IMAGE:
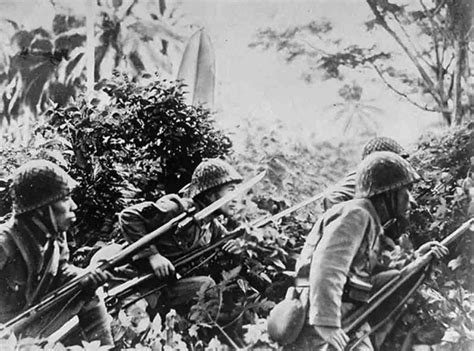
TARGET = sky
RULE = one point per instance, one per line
(257, 85)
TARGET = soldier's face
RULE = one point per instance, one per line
(404, 200)
(230, 207)
(64, 212)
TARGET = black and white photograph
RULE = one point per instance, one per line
(217, 175)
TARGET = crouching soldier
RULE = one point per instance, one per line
(342, 250)
(344, 190)
(211, 180)
(34, 255)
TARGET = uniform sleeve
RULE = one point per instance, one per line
(66, 269)
(5, 250)
(218, 230)
(3, 257)
(343, 191)
(330, 265)
(141, 219)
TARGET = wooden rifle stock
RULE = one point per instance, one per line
(360, 316)
(74, 287)
(78, 283)
(125, 288)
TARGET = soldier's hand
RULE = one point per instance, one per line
(439, 251)
(98, 277)
(333, 336)
(232, 246)
(94, 279)
(161, 266)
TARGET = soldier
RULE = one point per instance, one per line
(345, 189)
(342, 250)
(211, 180)
(34, 254)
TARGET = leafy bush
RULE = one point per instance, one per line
(135, 142)
(442, 310)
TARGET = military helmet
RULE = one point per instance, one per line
(383, 144)
(38, 183)
(209, 174)
(383, 171)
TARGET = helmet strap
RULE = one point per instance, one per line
(395, 225)
(52, 219)
(386, 205)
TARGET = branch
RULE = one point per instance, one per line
(439, 7)
(451, 84)
(219, 308)
(320, 51)
(398, 92)
(128, 11)
(450, 62)
(407, 36)
(381, 20)
(435, 36)
(232, 342)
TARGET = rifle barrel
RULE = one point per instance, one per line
(261, 222)
(189, 257)
(363, 313)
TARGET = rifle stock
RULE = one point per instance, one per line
(78, 283)
(361, 315)
(123, 289)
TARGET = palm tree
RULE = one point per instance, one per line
(357, 115)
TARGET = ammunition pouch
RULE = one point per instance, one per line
(356, 290)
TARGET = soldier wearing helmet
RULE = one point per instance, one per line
(211, 180)
(342, 250)
(34, 253)
(345, 189)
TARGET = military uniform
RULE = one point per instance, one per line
(34, 256)
(344, 242)
(344, 247)
(344, 190)
(141, 219)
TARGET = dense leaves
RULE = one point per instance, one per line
(143, 142)
(42, 65)
(441, 311)
(140, 140)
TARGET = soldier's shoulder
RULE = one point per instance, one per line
(173, 203)
(354, 206)
(7, 244)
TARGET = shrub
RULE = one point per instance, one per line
(441, 310)
(133, 143)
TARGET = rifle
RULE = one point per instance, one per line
(356, 319)
(261, 222)
(75, 286)
(123, 290)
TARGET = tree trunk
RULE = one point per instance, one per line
(90, 47)
(446, 113)
(461, 17)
